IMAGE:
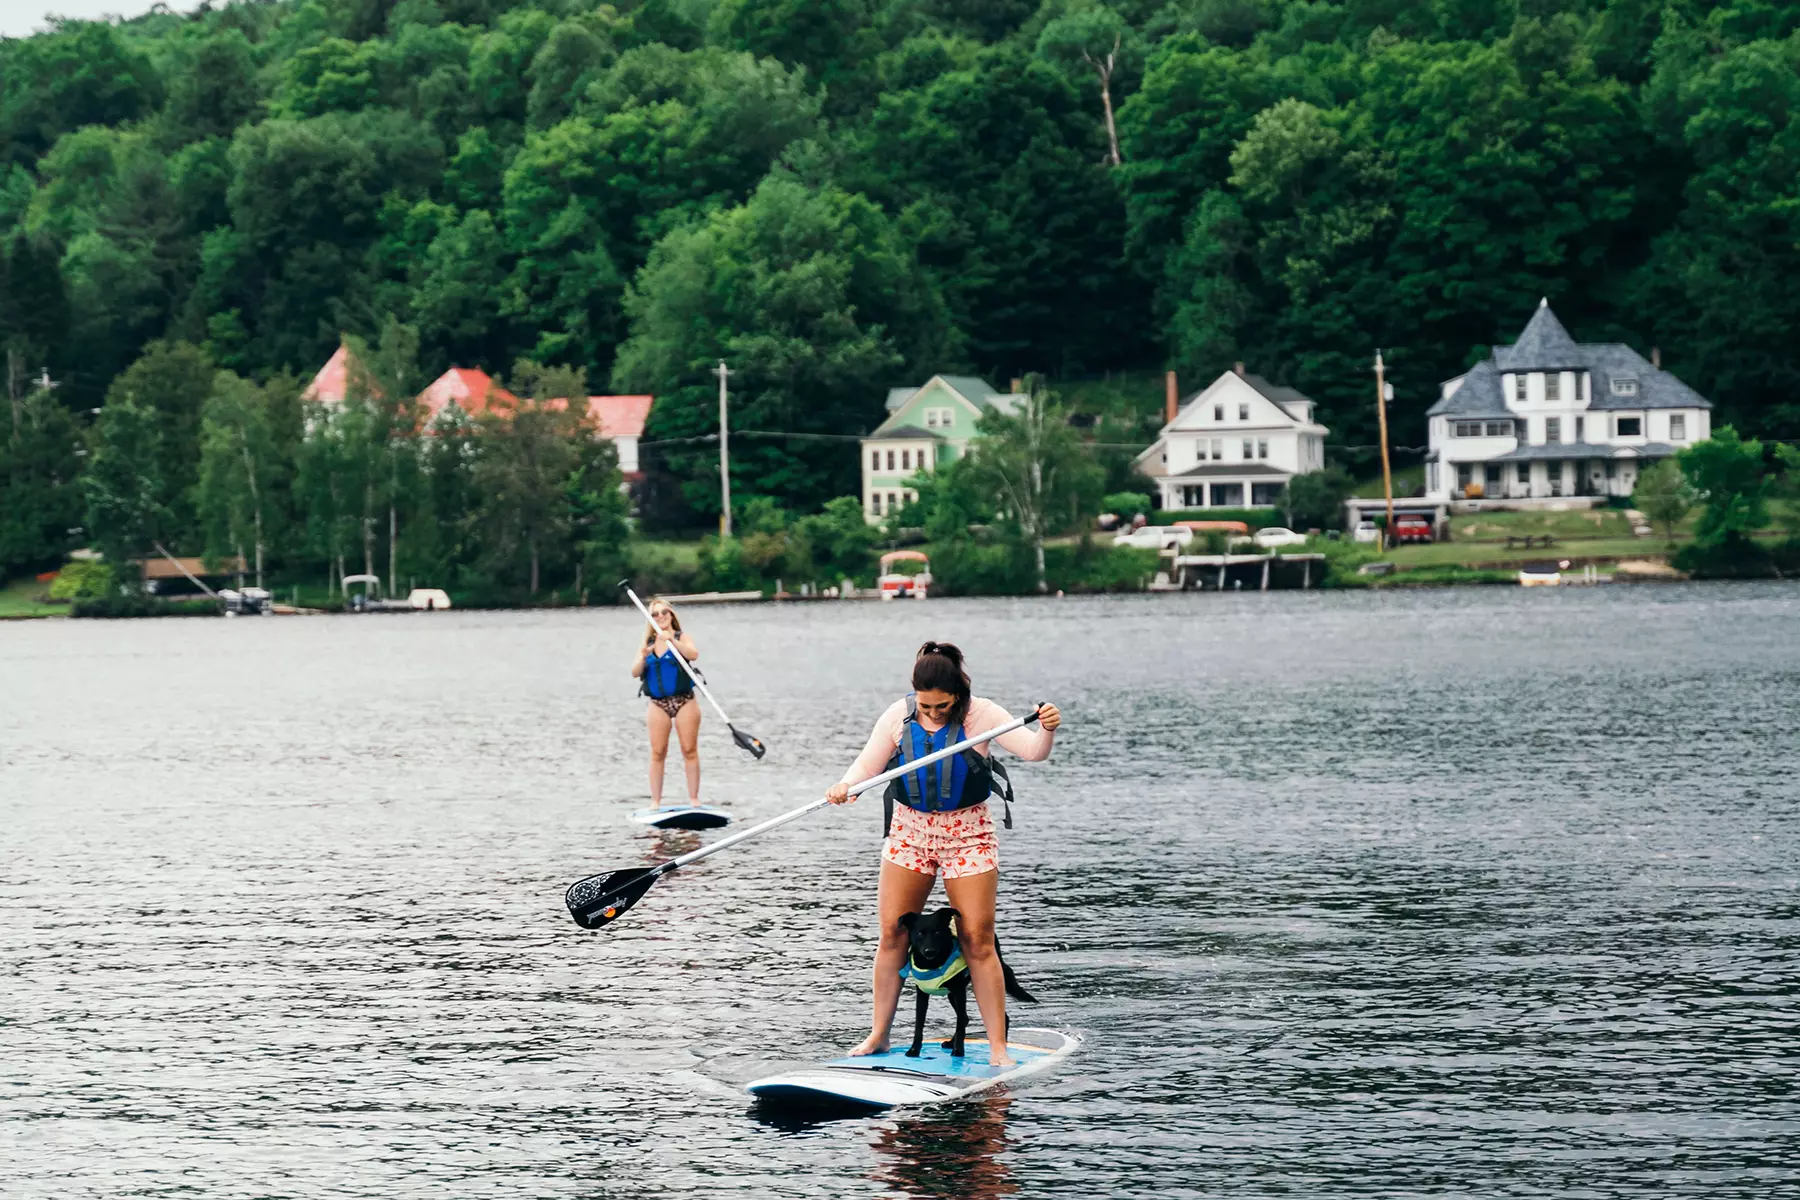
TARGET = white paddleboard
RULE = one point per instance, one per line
(891, 1080)
(683, 816)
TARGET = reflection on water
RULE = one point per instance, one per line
(953, 1150)
(1466, 892)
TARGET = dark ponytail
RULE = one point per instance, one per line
(939, 668)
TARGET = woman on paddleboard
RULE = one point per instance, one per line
(671, 692)
(941, 826)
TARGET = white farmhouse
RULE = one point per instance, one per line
(1552, 417)
(1234, 444)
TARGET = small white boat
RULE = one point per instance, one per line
(1540, 575)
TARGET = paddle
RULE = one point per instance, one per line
(748, 741)
(599, 900)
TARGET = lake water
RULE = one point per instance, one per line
(1486, 891)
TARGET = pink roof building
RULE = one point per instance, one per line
(333, 379)
(469, 388)
(620, 419)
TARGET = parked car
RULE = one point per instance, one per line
(1366, 532)
(1412, 528)
(1275, 535)
(1155, 537)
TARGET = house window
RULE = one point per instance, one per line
(1193, 495)
(1524, 474)
(1499, 428)
(931, 418)
(1465, 475)
(1249, 449)
(1492, 476)
(1553, 387)
(890, 456)
(1580, 425)
(1553, 429)
(1677, 428)
(1227, 495)
(1218, 449)
(1265, 495)
(1553, 472)
(874, 460)
(1243, 412)
(1624, 387)
(1218, 412)
(893, 502)
(906, 460)
(1468, 429)
(1519, 389)
(1631, 427)
(1262, 447)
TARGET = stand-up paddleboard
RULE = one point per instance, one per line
(683, 816)
(890, 1080)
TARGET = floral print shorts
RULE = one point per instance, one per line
(951, 844)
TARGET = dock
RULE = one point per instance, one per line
(1218, 572)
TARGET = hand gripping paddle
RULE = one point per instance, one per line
(599, 900)
(748, 741)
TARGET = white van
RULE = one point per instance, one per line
(1156, 537)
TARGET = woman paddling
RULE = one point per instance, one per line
(941, 826)
(671, 693)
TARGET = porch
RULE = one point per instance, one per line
(1235, 485)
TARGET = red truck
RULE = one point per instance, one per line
(1411, 528)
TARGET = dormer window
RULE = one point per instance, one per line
(1624, 387)
(1553, 387)
(1243, 412)
(1218, 412)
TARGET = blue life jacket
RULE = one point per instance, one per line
(664, 677)
(960, 781)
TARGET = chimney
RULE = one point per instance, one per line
(1171, 397)
(1656, 357)
(1018, 385)
(1239, 368)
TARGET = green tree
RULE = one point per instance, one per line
(40, 493)
(239, 471)
(1093, 36)
(170, 383)
(1315, 500)
(126, 516)
(815, 301)
(530, 450)
(1664, 495)
(1729, 479)
(1036, 469)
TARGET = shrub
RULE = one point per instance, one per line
(1733, 556)
(143, 606)
(82, 579)
(1126, 504)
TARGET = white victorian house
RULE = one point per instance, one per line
(1234, 444)
(1552, 417)
(925, 428)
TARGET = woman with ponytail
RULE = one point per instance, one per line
(941, 826)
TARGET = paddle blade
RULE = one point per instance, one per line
(599, 900)
(748, 741)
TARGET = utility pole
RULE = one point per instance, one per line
(724, 455)
(1387, 475)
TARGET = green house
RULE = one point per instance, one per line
(925, 427)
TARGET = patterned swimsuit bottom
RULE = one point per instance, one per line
(672, 704)
(951, 844)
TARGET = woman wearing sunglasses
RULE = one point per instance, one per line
(941, 826)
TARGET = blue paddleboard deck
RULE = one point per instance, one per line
(683, 816)
(892, 1080)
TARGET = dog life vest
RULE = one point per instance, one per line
(936, 981)
(664, 677)
(960, 781)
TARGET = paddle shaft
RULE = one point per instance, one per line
(680, 658)
(855, 790)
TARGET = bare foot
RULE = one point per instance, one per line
(873, 1044)
(1000, 1060)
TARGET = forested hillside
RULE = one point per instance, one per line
(843, 195)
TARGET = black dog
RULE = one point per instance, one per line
(935, 962)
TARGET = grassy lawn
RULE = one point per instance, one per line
(19, 598)
(1588, 523)
(1407, 481)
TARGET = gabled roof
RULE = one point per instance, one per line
(1544, 345)
(975, 390)
(333, 380)
(1289, 401)
(620, 416)
(469, 388)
